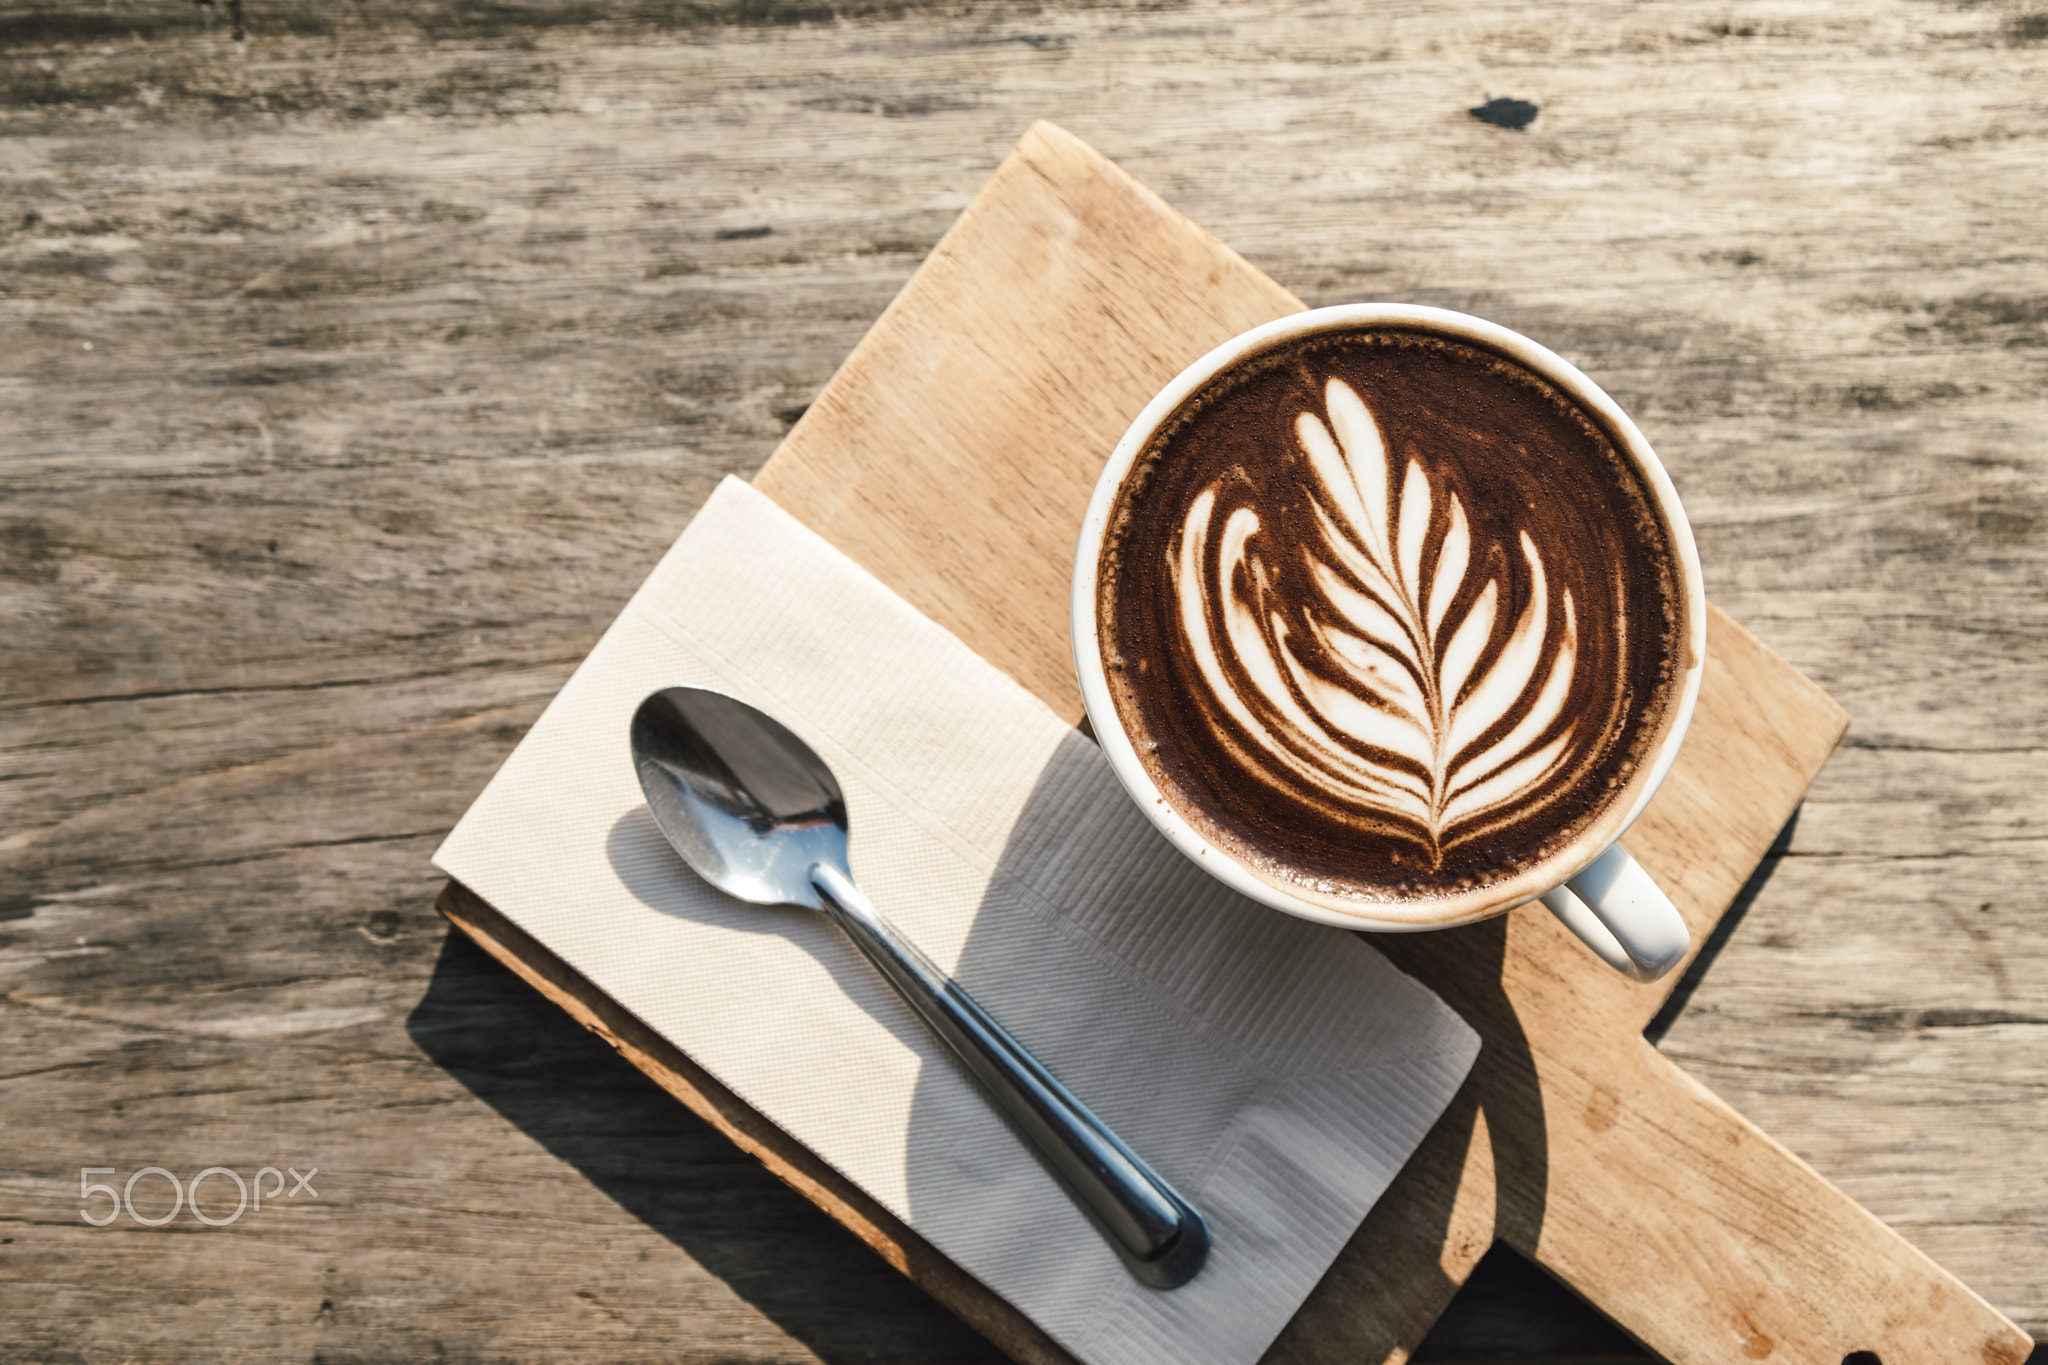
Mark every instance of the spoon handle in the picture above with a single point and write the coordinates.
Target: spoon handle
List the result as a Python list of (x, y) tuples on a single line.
[(1158, 1235)]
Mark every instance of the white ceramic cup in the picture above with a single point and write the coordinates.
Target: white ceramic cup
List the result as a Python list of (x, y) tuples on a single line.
[(1591, 884)]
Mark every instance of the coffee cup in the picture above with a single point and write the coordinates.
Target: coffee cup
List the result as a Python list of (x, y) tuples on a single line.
[(1389, 618)]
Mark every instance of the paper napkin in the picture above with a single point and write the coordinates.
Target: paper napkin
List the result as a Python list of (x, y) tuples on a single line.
[(1278, 1073)]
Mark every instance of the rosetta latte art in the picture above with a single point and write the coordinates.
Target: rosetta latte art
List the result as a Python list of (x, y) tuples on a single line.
[(1401, 687)]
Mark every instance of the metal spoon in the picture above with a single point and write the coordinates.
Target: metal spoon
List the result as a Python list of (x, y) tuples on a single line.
[(759, 815)]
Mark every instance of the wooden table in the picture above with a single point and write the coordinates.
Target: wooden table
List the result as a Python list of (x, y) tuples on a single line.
[(354, 374)]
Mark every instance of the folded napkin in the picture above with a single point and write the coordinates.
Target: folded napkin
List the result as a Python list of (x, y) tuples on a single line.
[(1277, 1072)]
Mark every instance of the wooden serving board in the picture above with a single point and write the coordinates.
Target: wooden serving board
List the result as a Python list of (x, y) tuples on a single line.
[(952, 455)]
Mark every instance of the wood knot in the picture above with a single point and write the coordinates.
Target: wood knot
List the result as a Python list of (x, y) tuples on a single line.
[(1755, 1342)]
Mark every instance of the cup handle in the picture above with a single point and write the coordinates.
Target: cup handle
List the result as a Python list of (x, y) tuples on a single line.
[(1618, 912)]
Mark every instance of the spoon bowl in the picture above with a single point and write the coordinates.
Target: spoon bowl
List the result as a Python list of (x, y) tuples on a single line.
[(751, 807)]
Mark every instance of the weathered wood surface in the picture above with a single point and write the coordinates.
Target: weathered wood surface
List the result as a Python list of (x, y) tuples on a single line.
[(953, 452), (417, 332)]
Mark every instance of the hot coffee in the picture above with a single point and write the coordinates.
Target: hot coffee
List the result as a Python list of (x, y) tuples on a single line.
[(1389, 617)]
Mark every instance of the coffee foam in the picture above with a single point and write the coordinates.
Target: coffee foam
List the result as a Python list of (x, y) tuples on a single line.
[(1387, 615)]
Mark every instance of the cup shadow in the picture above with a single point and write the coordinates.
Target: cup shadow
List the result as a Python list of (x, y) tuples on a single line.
[(596, 1112), (1502, 1095), (1510, 1304), (1503, 1083)]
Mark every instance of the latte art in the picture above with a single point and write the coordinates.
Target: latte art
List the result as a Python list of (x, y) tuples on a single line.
[(1387, 617), (1441, 707)]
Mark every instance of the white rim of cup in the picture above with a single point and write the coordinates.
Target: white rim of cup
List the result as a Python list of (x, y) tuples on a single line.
[(1101, 707)]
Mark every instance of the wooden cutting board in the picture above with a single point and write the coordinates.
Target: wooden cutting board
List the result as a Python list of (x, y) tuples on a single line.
[(952, 455)]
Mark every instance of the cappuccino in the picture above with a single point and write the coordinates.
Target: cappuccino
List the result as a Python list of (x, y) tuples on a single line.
[(1388, 617)]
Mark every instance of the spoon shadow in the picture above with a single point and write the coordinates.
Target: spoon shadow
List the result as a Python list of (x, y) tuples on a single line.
[(649, 867)]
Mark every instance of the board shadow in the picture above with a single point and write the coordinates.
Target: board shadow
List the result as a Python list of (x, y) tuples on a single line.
[(563, 1087), (1724, 930)]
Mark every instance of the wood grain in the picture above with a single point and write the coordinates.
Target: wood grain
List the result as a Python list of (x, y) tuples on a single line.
[(420, 329)]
